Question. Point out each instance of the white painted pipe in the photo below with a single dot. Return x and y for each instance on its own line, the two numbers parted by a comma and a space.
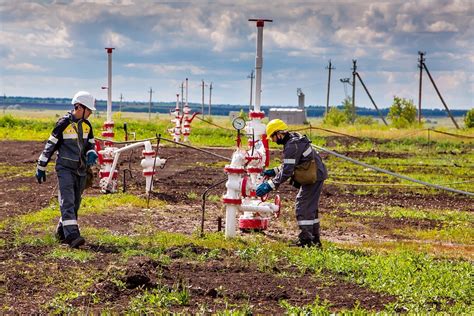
109, 85
112, 168
230, 220
146, 163
263, 208
258, 67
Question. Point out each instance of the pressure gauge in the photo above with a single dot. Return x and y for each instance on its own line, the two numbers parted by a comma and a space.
238, 123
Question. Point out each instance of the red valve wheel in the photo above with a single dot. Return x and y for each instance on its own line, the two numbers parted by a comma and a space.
243, 190
277, 202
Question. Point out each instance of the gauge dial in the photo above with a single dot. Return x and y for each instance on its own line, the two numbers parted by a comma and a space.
238, 123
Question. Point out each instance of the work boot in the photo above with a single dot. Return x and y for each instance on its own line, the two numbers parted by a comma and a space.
305, 238
301, 243
316, 238
75, 241
60, 235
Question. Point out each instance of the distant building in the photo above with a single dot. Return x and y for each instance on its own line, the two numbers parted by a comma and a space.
292, 116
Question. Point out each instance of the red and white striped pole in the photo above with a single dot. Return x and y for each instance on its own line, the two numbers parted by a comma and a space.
255, 127
107, 153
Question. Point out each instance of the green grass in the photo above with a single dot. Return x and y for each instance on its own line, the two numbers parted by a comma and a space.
9, 171
72, 254
420, 282
159, 299
459, 234
316, 308
449, 217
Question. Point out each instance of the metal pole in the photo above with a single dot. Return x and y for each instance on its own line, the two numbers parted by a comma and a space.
149, 105
202, 98
210, 97
182, 96
420, 65
186, 91
354, 71
203, 207
120, 106
440, 97
109, 83
259, 62
158, 137
370, 97
329, 68
251, 89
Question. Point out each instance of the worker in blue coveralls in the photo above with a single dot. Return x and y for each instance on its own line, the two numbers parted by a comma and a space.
298, 153
73, 139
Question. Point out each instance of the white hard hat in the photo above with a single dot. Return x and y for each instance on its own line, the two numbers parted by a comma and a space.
84, 98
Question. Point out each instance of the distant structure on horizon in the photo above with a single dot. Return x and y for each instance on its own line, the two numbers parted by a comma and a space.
293, 116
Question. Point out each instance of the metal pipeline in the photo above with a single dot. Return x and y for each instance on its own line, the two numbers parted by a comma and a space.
360, 163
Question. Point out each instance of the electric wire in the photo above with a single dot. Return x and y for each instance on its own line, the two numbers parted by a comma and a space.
357, 162
327, 130
196, 148
211, 123
171, 141
451, 134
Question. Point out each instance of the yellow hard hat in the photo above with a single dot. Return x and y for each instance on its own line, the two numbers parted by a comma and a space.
275, 125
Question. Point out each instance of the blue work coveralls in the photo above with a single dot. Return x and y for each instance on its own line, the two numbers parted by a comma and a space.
73, 139
297, 150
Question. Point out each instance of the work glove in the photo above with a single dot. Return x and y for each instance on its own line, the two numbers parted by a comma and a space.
269, 173
40, 175
263, 189
91, 158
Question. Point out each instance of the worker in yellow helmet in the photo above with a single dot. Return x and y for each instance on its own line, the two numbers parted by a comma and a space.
303, 165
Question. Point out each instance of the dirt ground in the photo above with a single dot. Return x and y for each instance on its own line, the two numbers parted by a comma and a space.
213, 284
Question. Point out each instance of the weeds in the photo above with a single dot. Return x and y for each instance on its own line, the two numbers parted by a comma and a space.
316, 308
72, 254
159, 299
419, 281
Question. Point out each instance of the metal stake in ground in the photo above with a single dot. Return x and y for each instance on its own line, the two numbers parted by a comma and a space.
203, 196
158, 137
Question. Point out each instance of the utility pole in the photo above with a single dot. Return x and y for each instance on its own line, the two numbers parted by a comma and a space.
182, 94
354, 71
440, 97
329, 68
202, 97
251, 89
186, 91
210, 96
371, 99
421, 60
120, 104
149, 104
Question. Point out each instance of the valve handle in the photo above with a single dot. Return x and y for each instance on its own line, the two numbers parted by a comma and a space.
265, 197
278, 203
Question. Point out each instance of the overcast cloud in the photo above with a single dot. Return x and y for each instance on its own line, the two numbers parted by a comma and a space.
53, 48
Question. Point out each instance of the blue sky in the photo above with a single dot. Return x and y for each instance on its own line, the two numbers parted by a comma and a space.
54, 48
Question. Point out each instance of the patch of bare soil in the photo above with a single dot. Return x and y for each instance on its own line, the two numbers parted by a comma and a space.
217, 285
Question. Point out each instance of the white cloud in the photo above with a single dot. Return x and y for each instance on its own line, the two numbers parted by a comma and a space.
25, 67
113, 39
168, 69
215, 40
405, 23
389, 54
442, 26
